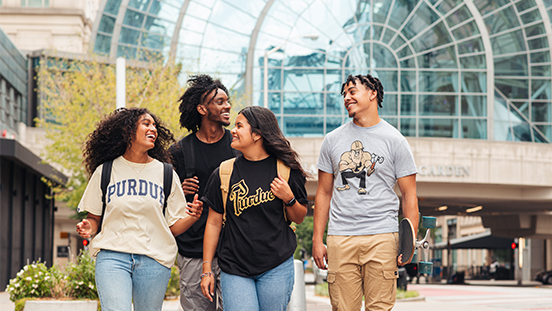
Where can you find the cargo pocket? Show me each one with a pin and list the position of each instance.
(332, 289)
(388, 287)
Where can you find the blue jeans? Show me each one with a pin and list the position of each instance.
(269, 291)
(123, 278)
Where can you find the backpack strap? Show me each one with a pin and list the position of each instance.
(106, 176)
(167, 183)
(225, 171)
(284, 170)
(188, 155)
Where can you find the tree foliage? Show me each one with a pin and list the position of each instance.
(76, 94)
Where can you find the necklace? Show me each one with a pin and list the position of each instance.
(132, 166)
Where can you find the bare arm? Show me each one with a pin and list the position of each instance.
(88, 226)
(321, 215)
(190, 185)
(210, 242)
(281, 189)
(407, 185)
(194, 211)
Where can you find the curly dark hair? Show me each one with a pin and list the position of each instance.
(370, 82)
(114, 133)
(264, 122)
(198, 87)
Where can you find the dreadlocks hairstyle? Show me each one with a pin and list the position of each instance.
(113, 136)
(370, 82)
(263, 122)
(199, 86)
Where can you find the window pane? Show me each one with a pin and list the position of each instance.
(303, 80)
(474, 82)
(141, 5)
(502, 20)
(541, 112)
(438, 105)
(471, 46)
(438, 81)
(511, 66)
(474, 129)
(541, 71)
(332, 123)
(467, 30)
(303, 126)
(383, 58)
(133, 18)
(129, 36)
(540, 57)
(523, 107)
(389, 104)
(102, 44)
(473, 62)
(513, 89)
(303, 103)
(334, 102)
(443, 58)
(408, 81)
(389, 80)
(126, 52)
(535, 30)
(112, 6)
(510, 42)
(274, 101)
(546, 129)
(540, 89)
(439, 128)
(408, 127)
(107, 24)
(474, 106)
(408, 105)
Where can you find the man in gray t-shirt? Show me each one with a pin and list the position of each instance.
(359, 165)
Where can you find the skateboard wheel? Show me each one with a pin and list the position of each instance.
(415, 257)
(429, 222)
(425, 267)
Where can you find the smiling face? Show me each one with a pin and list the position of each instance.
(216, 109)
(358, 98)
(242, 136)
(146, 133)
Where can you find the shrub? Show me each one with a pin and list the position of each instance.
(34, 280)
(173, 289)
(81, 277)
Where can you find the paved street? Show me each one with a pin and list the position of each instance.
(478, 296)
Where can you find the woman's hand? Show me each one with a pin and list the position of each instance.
(281, 189)
(195, 208)
(84, 229)
(208, 286)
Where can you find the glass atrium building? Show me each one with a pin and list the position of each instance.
(474, 69)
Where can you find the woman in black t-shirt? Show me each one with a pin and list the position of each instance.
(256, 245)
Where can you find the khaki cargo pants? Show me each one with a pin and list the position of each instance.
(362, 265)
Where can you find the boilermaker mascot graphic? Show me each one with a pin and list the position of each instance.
(357, 163)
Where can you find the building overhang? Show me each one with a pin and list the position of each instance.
(483, 240)
(12, 150)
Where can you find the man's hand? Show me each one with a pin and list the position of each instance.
(190, 185)
(320, 255)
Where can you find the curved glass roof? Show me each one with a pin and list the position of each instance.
(459, 69)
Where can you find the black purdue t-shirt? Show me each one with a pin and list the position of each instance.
(256, 237)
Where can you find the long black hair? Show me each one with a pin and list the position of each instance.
(199, 86)
(370, 82)
(264, 122)
(114, 133)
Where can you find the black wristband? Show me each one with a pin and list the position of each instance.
(291, 202)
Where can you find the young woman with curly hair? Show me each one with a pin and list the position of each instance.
(257, 244)
(135, 248)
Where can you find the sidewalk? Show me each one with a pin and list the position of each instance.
(314, 303)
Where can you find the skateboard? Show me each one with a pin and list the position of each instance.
(408, 243)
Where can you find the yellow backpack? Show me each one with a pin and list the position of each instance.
(225, 171)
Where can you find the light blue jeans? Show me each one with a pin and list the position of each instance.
(269, 291)
(123, 278)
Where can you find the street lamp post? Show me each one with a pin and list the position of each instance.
(267, 53)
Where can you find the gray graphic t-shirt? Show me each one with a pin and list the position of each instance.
(366, 163)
